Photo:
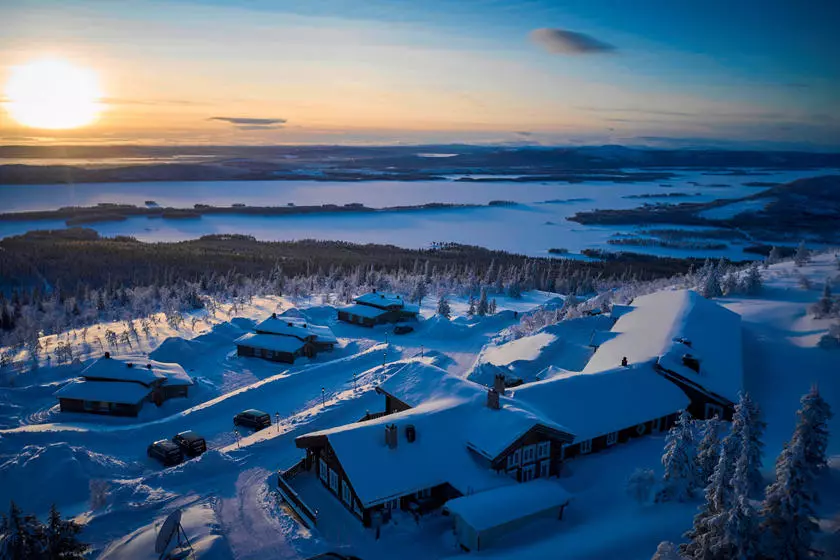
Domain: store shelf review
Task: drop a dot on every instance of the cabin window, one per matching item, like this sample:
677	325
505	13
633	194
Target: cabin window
514	459
346	495
334	481
713	410
528	473
424	494
322	470
545	468
612	438
392	504
585	446
543	449
529	453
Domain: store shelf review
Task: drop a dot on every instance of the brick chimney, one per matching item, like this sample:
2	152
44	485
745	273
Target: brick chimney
499	383
493	399
391	435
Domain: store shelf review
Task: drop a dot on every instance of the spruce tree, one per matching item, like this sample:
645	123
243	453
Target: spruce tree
666	551
679	478
802	255
706	535
747	432
741	521
443	308
752	281
708	450
483	305
788	526
812	429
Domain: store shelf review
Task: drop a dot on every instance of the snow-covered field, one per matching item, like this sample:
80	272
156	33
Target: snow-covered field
230	506
532	227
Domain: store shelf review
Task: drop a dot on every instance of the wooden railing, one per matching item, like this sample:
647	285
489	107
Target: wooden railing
294	470
372	416
306	514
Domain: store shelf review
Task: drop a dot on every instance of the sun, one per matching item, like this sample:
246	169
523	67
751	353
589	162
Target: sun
53	94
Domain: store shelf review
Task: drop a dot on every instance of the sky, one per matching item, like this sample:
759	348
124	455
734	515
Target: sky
734	73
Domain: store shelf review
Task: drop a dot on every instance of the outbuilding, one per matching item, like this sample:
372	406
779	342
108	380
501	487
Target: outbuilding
483	519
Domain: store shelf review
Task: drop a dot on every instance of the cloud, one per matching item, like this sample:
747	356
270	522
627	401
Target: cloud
563	41
251	123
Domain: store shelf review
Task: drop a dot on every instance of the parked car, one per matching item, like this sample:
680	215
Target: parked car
191	443
403	329
165	452
252	418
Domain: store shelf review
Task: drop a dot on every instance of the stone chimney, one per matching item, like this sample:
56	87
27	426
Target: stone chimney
499	383
391	435
493	399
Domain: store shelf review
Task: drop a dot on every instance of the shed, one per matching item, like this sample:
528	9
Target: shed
488	517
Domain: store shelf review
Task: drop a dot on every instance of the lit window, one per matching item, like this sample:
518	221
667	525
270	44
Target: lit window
334	481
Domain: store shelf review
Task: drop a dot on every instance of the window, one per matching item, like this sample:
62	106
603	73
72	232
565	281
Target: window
713	410
585	447
543	450
514	459
392	504
562	452
657	425
529	453
528	472
346	495
612	438
424	494
545	468
334	481
322	470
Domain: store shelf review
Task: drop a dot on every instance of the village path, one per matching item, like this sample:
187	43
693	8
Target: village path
252	532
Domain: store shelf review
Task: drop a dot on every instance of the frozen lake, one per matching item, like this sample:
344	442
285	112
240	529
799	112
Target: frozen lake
531	227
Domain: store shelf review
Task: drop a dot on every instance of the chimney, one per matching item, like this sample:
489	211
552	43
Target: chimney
129	365
391	435
148	366
274	315
499	383
374	290
107	355
410	433
493	399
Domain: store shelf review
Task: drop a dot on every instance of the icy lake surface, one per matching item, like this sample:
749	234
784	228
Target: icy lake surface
536	224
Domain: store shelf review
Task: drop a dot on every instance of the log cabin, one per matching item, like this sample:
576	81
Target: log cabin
376	308
284	339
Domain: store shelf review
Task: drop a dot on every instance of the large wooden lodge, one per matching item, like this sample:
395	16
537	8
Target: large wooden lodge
284	339
441	438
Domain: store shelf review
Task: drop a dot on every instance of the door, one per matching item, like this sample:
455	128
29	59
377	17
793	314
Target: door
528	473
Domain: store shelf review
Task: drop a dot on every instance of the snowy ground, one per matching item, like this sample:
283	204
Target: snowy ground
533	226
230	507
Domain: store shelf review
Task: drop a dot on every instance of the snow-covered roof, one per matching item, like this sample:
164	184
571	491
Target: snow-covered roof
270	342
104	391
137	369
655	328
595	404
296	327
417	382
447	429
363	310
499	506
380	299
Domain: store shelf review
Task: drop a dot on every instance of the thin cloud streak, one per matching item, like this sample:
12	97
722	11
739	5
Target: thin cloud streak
563	41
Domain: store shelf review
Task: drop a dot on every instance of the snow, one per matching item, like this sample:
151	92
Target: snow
363	310
295	327
731	210
527	348
596	404
493	508
122	370
381	299
105	391
415	382
277	343
652	330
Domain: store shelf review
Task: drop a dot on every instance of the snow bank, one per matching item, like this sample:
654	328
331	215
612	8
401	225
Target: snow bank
57	473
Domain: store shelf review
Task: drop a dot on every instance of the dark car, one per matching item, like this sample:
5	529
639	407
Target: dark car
165	452
252	418
191	443
403	329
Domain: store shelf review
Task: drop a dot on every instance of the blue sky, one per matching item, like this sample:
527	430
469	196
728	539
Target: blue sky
737	73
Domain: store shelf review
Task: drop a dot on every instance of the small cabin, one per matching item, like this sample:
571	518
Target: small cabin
376	308
284	339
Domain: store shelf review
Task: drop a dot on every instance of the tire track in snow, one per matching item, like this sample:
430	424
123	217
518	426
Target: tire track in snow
252	532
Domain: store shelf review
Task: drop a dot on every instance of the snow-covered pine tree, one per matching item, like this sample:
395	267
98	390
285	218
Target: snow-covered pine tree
471	309
774	256
62	539
640	484
730	284
741	521
802	255
443	308
708	450
787	525
491	309
824	305
666	551
679	478
812	429
710	282
483	305
751	284
747	432
705	536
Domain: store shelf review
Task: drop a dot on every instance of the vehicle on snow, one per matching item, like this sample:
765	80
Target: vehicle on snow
252	418
191	443
165	452
403	329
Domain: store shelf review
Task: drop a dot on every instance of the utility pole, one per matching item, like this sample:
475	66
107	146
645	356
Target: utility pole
323	397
